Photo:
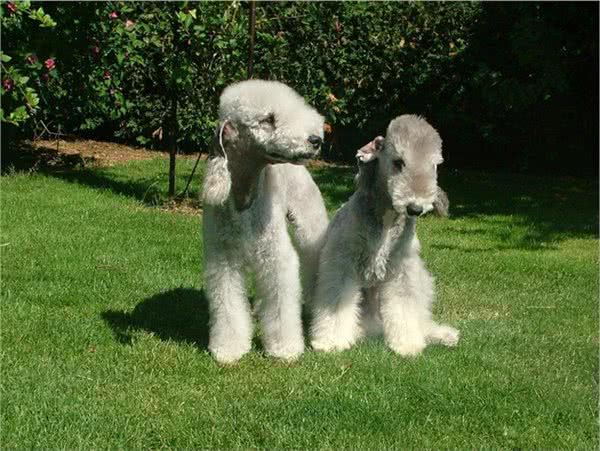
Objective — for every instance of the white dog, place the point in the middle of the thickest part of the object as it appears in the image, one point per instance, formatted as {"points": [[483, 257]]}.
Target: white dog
{"points": [[372, 250], [250, 197]]}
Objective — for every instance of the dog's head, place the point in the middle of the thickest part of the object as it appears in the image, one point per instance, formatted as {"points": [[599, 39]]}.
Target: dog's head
{"points": [[404, 164], [263, 121], [275, 120]]}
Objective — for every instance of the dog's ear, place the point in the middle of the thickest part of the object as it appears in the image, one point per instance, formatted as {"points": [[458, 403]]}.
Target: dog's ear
{"points": [[441, 204], [217, 180], [367, 158], [225, 135], [371, 151], [228, 132]]}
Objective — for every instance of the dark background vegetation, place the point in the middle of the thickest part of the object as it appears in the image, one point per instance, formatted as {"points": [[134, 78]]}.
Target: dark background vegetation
{"points": [[510, 86]]}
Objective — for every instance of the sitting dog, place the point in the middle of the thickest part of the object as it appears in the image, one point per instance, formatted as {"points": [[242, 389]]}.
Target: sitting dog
{"points": [[371, 251], [250, 196]]}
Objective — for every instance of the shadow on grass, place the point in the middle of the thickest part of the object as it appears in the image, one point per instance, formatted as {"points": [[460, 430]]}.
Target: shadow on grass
{"points": [[336, 184], [540, 210], [547, 209], [179, 315], [75, 168]]}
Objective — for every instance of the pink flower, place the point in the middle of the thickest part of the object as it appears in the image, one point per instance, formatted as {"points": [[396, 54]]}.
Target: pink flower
{"points": [[50, 64], [11, 7], [113, 15], [32, 59], [95, 50], [7, 84], [106, 73], [45, 77], [129, 24]]}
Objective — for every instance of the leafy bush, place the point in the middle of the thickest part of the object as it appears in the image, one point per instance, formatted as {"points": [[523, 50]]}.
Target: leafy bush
{"points": [[528, 95], [23, 73], [495, 79], [142, 62], [361, 64]]}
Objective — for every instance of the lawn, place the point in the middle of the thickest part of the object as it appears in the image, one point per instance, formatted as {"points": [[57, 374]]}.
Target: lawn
{"points": [[104, 325]]}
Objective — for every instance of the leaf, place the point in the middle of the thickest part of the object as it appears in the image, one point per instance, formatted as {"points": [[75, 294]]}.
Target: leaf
{"points": [[4, 57], [18, 115]]}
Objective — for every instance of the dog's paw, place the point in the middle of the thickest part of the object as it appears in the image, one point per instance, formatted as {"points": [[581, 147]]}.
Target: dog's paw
{"points": [[445, 335], [407, 348], [227, 355], [330, 345], [289, 353]]}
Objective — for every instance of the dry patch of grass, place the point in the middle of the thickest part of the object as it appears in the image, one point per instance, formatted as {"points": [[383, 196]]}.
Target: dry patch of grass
{"points": [[105, 153]]}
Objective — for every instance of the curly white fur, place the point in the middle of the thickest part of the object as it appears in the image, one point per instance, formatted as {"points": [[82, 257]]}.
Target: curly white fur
{"points": [[251, 196], [372, 250]]}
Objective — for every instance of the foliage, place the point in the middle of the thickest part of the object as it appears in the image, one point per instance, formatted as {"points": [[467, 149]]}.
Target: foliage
{"points": [[477, 71], [361, 64], [23, 72], [147, 60], [526, 91]]}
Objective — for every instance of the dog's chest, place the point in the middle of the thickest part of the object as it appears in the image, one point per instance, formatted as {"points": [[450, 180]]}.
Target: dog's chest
{"points": [[382, 250], [258, 227]]}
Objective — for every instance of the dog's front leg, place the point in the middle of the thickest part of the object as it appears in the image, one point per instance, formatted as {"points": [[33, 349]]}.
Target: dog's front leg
{"points": [[230, 319], [404, 317], [336, 310], [278, 289]]}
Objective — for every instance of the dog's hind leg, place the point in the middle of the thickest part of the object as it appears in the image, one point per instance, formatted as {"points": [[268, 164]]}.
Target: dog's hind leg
{"points": [[434, 333], [442, 334]]}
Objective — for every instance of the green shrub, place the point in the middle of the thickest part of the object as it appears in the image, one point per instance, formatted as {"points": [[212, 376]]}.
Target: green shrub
{"points": [[506, 85], [23, 72], [358, 63]]}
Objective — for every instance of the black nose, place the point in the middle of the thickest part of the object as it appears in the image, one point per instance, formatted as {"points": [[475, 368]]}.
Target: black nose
{"points": [[414, 210], [315, 141]]}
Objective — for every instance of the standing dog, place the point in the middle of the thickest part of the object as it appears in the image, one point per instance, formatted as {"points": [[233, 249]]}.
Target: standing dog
{"points": [[372, 250], [250, 197]]}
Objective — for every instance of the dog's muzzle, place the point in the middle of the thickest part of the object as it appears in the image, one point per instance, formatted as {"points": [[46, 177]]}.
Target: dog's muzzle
{"points": [[299, 158]]}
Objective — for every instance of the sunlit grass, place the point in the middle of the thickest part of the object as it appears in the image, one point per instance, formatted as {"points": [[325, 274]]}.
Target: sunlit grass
{"points": [[104, 326]]}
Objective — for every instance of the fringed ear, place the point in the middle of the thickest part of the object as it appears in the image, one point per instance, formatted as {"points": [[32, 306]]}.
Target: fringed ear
{"points": [[217, 179], [441, 204], [367, 159], [370, 151]]}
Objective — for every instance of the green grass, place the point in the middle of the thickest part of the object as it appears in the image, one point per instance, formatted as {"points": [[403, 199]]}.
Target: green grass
{"points": [[104, 326]]}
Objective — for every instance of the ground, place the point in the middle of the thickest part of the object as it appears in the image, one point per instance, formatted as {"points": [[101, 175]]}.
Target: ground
{"points": [[104, 322]]}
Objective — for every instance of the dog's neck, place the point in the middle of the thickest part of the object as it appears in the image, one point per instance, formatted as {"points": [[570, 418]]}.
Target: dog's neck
{"points": [[379, 208], [245, 168], [379, 203]]}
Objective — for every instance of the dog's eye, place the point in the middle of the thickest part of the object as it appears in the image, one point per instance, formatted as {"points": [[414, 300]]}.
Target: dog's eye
{"points": [[399, 164], [270, 120]]}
